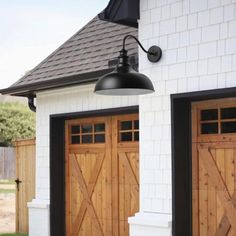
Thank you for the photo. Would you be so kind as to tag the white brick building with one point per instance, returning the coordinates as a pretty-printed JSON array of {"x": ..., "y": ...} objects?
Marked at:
[{"x": 198, "y": 41}]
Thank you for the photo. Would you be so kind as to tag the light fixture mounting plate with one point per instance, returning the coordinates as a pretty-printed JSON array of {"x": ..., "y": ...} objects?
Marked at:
[{"x": 154, "y": 54}]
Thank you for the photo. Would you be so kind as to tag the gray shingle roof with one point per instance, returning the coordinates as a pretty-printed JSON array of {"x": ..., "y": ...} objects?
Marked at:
[{"x": 88, "y": 51}]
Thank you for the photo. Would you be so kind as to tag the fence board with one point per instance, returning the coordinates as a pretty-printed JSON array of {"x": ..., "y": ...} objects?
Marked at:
[
  {"x": 7, "y": 163},
  {"x": 25, "y": 172}
]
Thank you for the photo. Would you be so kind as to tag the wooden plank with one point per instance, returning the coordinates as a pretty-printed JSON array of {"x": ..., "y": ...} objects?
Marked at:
[
  {"x": 203, "y": 198},
  {"x": 127, "y": 203},
  {"x": 230, "y": 233},
  {"x": 17, "y": 193},
  {"x": 128, "y": 146},
  {"x": 195, "y": 188},
  {"x": 211, "y": 138},
  {"x": 7, "y": 163},
  {"x": 90, "y": 188},
  {"x": 77, "y": 149},
  {"x": 25, "y": 166},
  {"x": 24, "y": 142},
  {"x": 219, "y": 159},
  {"x": 134, "y": 189},
  {"x": 217, "y": 145},
  {"x": 203, "y": 222},
  {"x": 211, "y": 210},
  {"x": 107, "y": 181},
  {"x": 99, "y": 199},
  {"x": 194, "y": 117},
  {"x": 224, "y": 225},
  {"x": 218, "y": 183},
  {"x": 214, "y": 103},
  {"x": 212, "y": 206},
  {"x": 86, "y": 195},
  {"x": 128, "y": 168},
  {"x": 121, "y": 198},
  {"x": 128, "y": 181},
  {"x": 115, "y": 179},
  {"x": 234, "y": 162},
  {"x": 229, "y": 170}
]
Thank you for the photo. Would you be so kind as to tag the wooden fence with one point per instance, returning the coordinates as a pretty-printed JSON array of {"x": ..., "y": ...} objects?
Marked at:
[
  {"x": 7, "y": 163},
  {"x": 25, "y": 174},
  {"x": 19, "y": 163}
]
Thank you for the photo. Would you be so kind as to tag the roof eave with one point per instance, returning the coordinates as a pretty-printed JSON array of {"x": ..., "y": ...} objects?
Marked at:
[{"x": 31, "y": 89}]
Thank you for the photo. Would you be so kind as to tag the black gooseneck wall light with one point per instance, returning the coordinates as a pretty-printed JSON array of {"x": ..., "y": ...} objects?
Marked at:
[{"x": 124, "y": 80}]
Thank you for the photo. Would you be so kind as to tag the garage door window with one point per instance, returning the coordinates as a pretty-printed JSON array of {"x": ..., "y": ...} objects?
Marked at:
[
  {"x": 218, "y": 121},
  {"x": 129, "y": 131},
  {"x": 88, "y": 133}
]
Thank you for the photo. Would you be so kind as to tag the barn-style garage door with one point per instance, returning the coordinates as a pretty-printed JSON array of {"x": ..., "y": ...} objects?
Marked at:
[
  {"x": 102, "y": 174},
  {"x": 214, "y": 168}
]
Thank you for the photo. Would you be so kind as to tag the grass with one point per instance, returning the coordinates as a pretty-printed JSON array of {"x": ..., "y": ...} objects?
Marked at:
[
  {"x": 6, "y": 182},
  {"x": 13, "y": 234},
  {"x": 4, "y": 188},
  {"x": 7, "y": 191}
]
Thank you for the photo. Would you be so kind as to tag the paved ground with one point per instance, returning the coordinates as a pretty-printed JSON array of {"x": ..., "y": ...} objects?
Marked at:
[
  {"x": 7, "y": 186},
  {"x": 7, "y": 210}
]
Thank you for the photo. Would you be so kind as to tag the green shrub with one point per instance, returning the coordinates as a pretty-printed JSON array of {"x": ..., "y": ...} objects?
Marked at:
[{"x": 16, "y": 122}]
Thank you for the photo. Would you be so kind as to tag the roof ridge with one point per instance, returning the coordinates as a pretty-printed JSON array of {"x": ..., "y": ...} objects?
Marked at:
[{"x": 55, "y": 51}]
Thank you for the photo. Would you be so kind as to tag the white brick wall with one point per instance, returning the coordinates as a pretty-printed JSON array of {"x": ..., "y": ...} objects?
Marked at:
[
  {"x": 66, "y": 100},
  {"x": 198, "y": 39}
]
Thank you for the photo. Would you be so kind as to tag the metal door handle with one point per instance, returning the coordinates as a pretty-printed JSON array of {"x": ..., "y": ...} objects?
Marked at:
[{"x": 17, "y": 181}]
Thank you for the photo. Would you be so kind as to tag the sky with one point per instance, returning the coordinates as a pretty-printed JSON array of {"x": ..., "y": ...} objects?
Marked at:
[{"x": 32, "y": 29}]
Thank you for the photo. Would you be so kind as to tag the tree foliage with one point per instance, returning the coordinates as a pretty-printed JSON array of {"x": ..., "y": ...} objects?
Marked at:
[{"x": 16, "y": 122}]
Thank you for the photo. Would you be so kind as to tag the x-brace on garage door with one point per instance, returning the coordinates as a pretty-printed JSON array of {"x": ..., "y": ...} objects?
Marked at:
[
  {"x": 214, "y": 167},
  {"x": 102, "y": 175}
]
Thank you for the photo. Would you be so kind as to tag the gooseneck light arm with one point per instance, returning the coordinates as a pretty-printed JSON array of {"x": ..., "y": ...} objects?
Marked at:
[
  {"x": 131, "y": 36},
  {"x": 154, "y": 53}
]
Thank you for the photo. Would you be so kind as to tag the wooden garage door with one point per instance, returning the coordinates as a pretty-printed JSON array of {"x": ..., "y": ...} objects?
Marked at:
[
  {"x": 214, "y": 168},
  {"x": 102, "y": 169}
]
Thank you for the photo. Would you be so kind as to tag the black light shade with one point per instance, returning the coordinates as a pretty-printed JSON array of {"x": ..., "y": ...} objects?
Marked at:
[{"x": 124, "y": 80}]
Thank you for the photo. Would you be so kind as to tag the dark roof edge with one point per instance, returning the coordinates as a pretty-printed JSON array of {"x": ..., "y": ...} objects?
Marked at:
[
  {"x": 124, "y": 12},
  {"x": 30, "y": 89}
]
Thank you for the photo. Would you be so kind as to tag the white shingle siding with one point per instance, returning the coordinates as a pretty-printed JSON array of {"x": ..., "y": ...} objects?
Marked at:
[
  {"x": 198, "y": 39},
  {"x": 76, "y": 99}
]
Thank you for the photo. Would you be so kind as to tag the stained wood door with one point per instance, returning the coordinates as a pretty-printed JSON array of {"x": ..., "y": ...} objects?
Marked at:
[
  {"x": 25, "y": 174},
  {"x": 214, "y": 167},
  {"x": 102, "y": 186}
]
